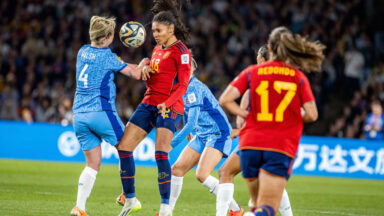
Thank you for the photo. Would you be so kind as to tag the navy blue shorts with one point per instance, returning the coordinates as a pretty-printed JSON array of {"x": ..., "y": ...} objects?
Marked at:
[
  {"x": 148, "y": 117},
  {"x": 252, "y": 161}
]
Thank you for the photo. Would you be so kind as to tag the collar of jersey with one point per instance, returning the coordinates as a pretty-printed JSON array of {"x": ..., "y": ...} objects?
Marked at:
[
  {"x": 164, "y": 47},
  {"x": 190, "y": 80},
  {"x": 96, "y": 47}
]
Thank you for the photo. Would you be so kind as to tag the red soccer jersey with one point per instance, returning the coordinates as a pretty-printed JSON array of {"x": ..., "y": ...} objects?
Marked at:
[
  {"x": 277, "y": 93},
  {"x": 172, "y": 66}
]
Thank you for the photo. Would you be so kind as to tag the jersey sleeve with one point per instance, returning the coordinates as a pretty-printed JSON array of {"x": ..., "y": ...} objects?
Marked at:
[
  {"x": 305, "y": 91},
  {"x": 241, "y": 82},
  {"x": 183, "y": 62},
  {"x": 193, "y": 97},
  {"x": 115, "y": 63}
]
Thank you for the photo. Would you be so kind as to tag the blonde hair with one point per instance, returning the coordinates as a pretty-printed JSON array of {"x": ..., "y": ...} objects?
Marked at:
[
  {"x": 306, "y": 54},
  {"x": 101, "y": 27}
]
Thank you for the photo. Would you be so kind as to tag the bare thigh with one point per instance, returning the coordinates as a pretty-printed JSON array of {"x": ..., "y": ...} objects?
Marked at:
[
  {"x": 133, "y": 135},
  {"x": 185, "y": 162}
]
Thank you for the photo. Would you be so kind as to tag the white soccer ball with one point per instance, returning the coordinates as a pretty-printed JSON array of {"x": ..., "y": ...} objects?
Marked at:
[{"x": 132, "y": 34}]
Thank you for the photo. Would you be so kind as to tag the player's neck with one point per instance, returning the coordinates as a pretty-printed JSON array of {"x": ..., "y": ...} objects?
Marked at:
[
  {"x": 98, "y": 46},
  {"x": 170, "y": 41}
]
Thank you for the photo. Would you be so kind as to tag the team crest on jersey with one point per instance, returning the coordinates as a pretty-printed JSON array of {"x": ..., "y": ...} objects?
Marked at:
[
  {"x": 191, "y": 98},
  {"x": 185, "y": 59},
  {"x": 166, "y": 55}
]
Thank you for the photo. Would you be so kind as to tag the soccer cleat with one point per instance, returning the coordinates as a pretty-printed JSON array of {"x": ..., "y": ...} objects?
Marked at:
[
  {"x": 249, "y": 214},
  {"x": 120, "y": 199},
  {"x": 237, "y": 213},
  {"x": 131, "y": 206},
  {"x": 78, "y": 212},
  {"x": 165, "y": 210}
]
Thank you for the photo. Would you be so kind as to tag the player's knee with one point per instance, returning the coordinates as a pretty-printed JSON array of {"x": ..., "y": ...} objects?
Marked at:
[
  {"x": 225, "y": 175},
  {"x": 177, "y": 170},
  {"x": 201, "y": 176},
  {"x": 94, "y": 165}
]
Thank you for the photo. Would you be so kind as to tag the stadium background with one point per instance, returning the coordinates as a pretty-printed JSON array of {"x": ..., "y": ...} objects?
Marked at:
[{"x": 39, "y": 41}]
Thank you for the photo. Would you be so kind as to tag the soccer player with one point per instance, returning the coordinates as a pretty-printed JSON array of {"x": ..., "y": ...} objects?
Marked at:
[
  {"x": 162, "y": 106},
  {"x": 271, "y": 135},
  {"x": 231, "y": 166},
  {"x": 211, "y": 143},
  {"x": 95, "y": 117}
]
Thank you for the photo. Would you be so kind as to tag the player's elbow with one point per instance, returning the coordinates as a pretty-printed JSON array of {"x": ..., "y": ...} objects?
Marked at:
[
  {"x": 222, "y": 101},
  {"x": 311, "y": 116}
]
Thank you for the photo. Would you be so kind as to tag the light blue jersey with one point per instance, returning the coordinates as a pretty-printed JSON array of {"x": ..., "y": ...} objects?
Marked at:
[
  {"x": 95, "y": 89},
  {"x": 203, "y": 113}
]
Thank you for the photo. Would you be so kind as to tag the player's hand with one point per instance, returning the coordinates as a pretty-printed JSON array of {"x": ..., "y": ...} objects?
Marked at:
[
  {"x": 162, "y": 108},
  {"x": 189, "y": 137},
  {"x": 240, "y": 122},
  {"x": 146, "y": 71},
  {"x": 235, "y": 133}
]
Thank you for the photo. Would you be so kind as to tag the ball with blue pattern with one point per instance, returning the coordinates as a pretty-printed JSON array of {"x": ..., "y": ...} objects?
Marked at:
[{"x": 132, "y": 34}]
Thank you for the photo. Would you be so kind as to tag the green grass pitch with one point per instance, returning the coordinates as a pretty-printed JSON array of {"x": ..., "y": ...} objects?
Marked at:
[{"x": 45, "y": 188}]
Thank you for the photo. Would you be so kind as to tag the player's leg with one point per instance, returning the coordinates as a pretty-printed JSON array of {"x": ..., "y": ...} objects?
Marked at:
[
  {"x": 273, "y": 176},
  {"x": 185, "y": 162},
  {"x": 90, "y": 145},
  {"x": 140, "y": 124},
  {"x": 227, "y": 172},
  {"x": 165, "y": 127}
]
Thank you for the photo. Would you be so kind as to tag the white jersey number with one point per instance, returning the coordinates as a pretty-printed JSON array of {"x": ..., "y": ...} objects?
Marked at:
[{"x": 84, "y": 77}]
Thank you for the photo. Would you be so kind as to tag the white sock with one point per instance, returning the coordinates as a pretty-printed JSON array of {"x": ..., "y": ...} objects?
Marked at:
[
  {"x": 212, "y": 184},
  {"x": 165, "y": 209},
  {"x": 285, "y": 206},
  {"x": 86, "y": 181},
  {"x": 176, "y": 186},
  {"x": 224, "y": 197}
]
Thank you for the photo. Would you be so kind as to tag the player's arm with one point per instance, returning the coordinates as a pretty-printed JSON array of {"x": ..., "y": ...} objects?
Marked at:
[
  {"x": 234, "y": 90},
  {"x": 244, "y": 103},
  {"x": 308, "y": 101},
  {"x": 183, "y": 79},
  {"x": 311, "y": 113},
  {"x": 191, "y": 122},
  {"x": 227, "y": 100},
  {"x": 136, "y": 71}
]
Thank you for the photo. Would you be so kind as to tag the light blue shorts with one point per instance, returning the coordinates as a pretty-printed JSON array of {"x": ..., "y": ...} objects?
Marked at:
[
  {"x": 93, "y": 127},
  {"x": 236, "y": 150},
  {"x": 221, "y": 143}
]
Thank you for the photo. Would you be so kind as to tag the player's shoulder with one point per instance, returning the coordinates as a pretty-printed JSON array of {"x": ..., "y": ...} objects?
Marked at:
[{"x": 180, "y": 48}]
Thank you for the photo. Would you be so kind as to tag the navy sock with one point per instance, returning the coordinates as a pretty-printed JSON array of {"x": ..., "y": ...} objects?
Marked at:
[
  {"x": 127, "y": 173},
  {"x": 265, "y": 210},
  {"x": 164, "y": 175}
]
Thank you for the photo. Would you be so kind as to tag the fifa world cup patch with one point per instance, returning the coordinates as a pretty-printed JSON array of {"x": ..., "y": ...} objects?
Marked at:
[
  {"x": 192, "y": 98},
  {"x": 185, "y": 59}
]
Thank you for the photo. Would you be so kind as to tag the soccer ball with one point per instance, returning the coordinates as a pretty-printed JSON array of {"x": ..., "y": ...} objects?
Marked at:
[{"x": 132, "y": 34}]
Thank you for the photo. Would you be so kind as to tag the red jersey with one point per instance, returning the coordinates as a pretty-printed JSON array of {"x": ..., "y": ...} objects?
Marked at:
[
  {"x": 172, "y": 66},
  {"x": 277, "y": 93}
]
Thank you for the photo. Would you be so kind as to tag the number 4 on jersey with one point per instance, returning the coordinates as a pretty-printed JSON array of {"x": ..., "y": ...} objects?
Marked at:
[
  {"x": 84, "y": 77},
  {"x": 262, "y": 90}
]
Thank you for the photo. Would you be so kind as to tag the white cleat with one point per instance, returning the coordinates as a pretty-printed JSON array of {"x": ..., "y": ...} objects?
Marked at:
[
  {"x": 249, "y": 214},
  {"x": 165, "y": 210},
  {"x": 131, "y": 205}
]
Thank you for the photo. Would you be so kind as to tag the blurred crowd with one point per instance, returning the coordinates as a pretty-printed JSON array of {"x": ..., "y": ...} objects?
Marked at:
[{"x": 39, "y": 40}]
